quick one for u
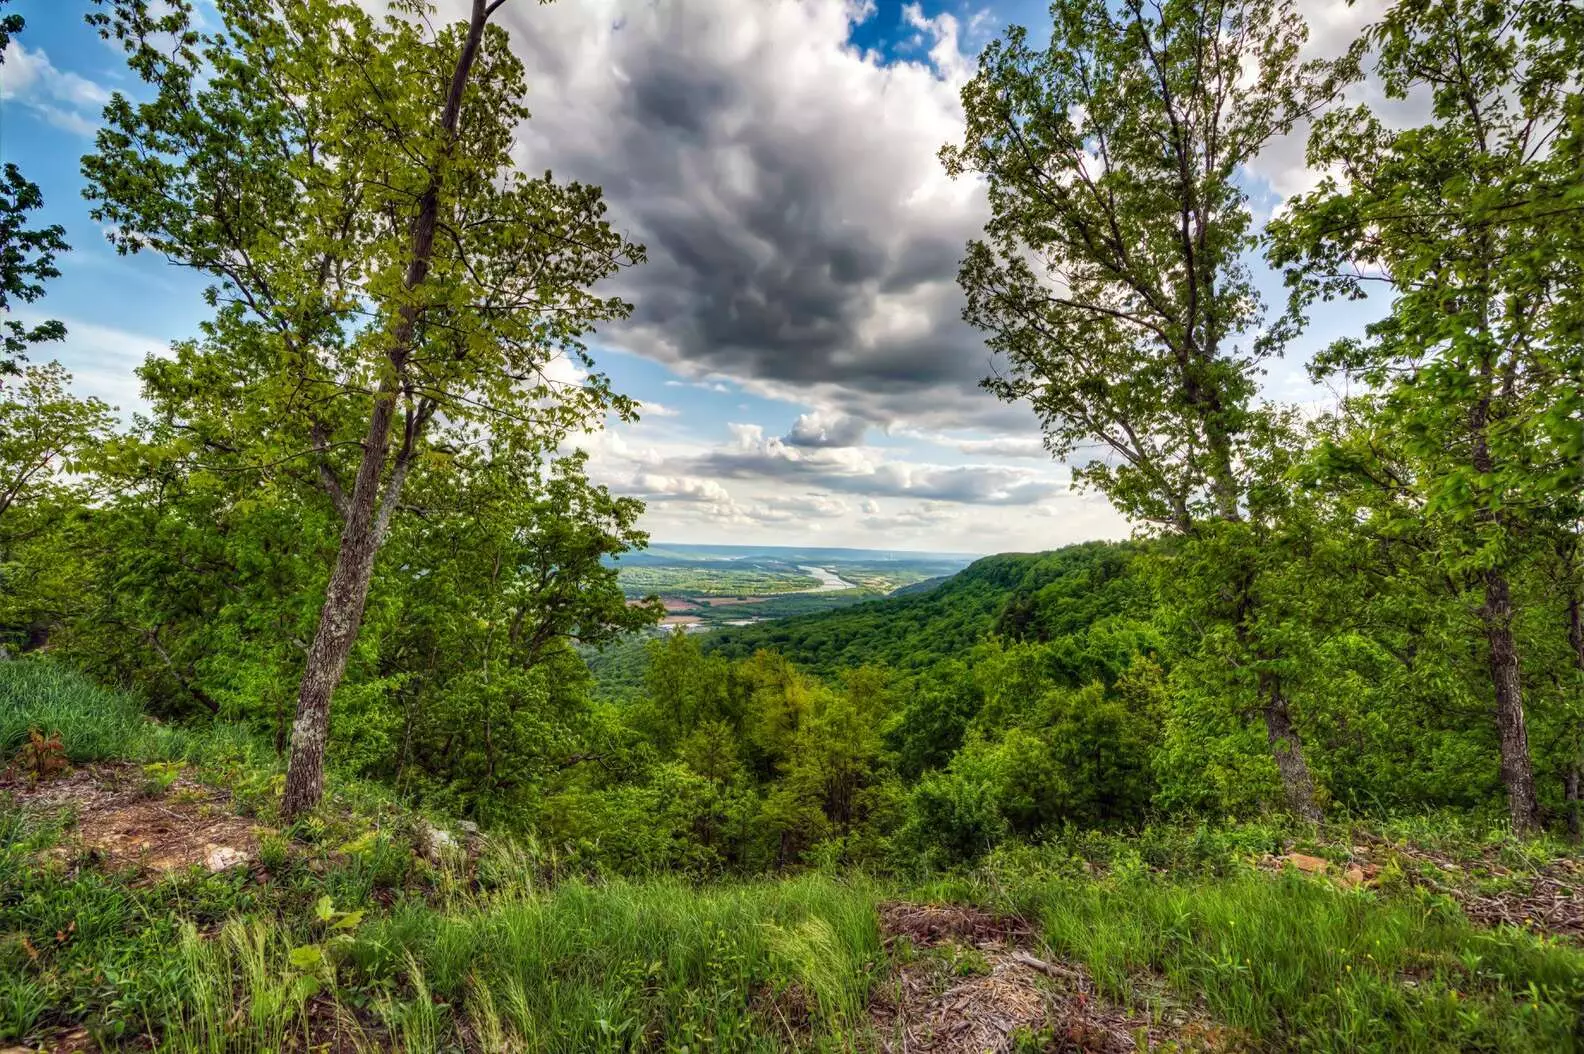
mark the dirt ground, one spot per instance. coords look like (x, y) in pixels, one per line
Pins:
(123, 818)
(973, 985)
(1545, 898)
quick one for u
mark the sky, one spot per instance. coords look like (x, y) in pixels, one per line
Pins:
(796, 345)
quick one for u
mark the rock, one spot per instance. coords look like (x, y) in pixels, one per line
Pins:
(472, 837)
(435, 843)
(1311, 865)
(223, 857)
(1353, 877)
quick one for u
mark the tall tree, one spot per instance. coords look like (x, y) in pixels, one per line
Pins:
(1112, 273)
(1472, 219)
(349, 184)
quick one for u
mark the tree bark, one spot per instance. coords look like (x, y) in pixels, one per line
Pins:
(1287, 748)
(339, 621)
(1570, 794)
(366, 515)
(1517, 775)
(1576, 630)
(1575, 771)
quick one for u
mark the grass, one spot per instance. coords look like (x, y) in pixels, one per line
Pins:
(94, 723)
(351, 935)
(209, 963)
(1300, 963)
(638, 964)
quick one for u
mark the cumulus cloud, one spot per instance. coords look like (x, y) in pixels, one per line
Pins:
(657, 487)
(826, 430)
(803, 239)
(1030, 446)
(851, 470)
(65, 99)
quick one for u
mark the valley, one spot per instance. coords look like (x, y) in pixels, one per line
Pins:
(706, 587)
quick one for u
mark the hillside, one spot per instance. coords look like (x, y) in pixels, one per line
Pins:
(1036, 596)
(151, 897)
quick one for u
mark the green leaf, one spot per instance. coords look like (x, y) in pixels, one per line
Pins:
(308, 957)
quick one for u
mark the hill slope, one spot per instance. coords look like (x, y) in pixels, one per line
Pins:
(1024, 595)
(364, 931)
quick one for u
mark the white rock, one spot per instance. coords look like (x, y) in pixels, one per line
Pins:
(223, 857)
(435, 842)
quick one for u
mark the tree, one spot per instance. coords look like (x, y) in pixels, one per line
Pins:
(1472, 219)
(349, 185)
(27, 254)
(43, 429)
(1112, 273)
(46, 433)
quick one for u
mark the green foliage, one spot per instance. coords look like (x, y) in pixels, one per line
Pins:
(910, 631)
(27, 254)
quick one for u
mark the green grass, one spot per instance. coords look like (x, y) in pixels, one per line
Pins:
(208, 963)
(1303, 964)
(354, 935)
(641, 964)
(94, 723)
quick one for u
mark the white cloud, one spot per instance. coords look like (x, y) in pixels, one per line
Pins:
(1029, 446)
(63, 98)
(101, 359)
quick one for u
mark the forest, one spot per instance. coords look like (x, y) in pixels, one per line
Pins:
(1298, 766)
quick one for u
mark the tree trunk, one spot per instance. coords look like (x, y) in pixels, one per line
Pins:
(1575, 771)
(1517, 775)
(367, 512)
(1576, 630)
(339, 620)
(1287, 749)
(1570, 794)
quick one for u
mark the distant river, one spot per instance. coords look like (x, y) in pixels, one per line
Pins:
(829, 581)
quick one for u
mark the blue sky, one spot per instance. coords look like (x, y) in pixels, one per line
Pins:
(796, 345)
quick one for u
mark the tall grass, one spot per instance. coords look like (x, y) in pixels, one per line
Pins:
(236, 992)
(1301, 964)
(100, 724)
(94, 723)
(635, 965)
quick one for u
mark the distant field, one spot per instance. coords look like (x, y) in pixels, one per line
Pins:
(712, 582)
(706, 587)
(696, 578)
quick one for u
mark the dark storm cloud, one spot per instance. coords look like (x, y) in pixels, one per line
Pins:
(802, 238)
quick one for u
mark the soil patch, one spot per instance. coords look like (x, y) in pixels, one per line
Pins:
(1546, 898)
(972, 985)
(928, 925)
(123, 820)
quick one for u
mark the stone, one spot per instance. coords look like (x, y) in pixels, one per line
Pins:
(435, 843)
(1353, 877)
(1311, 865)
(223, 858)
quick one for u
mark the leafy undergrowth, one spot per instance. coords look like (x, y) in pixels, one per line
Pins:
(119, 928)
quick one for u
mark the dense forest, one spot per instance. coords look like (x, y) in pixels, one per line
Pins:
(351, 553)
